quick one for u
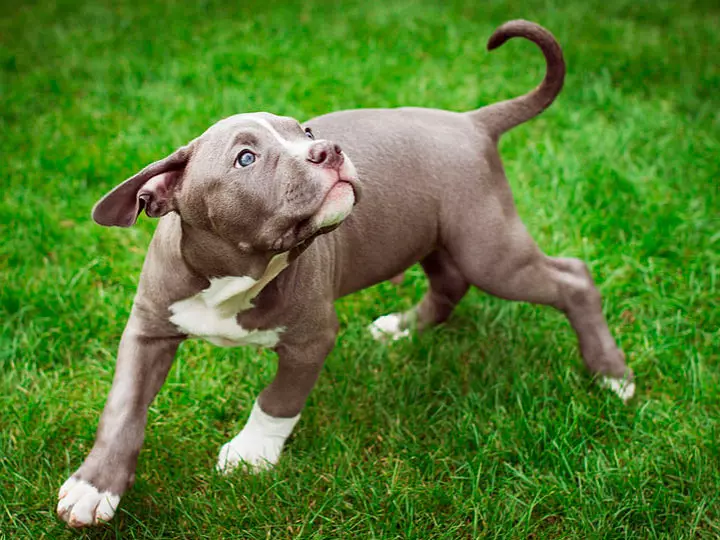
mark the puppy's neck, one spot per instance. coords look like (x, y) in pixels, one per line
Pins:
(211, 257)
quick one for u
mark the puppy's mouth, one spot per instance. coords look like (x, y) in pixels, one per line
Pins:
(336, 206)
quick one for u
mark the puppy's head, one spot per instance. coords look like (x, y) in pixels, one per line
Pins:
(258, 181)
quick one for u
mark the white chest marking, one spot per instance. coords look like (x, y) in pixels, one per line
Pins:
(212, 313)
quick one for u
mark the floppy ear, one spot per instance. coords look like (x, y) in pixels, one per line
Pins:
(151, 189)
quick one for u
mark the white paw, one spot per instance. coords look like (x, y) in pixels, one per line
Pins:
(80, 504)
(258, 446)
(255, 452)
(624, 388)
(388, 327)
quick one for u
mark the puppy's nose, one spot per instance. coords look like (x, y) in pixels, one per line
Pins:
(326, 154)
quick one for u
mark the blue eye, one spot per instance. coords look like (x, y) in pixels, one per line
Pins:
(309, 133)
(245, 159)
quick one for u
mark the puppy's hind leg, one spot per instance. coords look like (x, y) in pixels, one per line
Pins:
(511, 266)
(447, 287)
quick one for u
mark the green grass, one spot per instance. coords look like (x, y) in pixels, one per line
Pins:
(486, 427)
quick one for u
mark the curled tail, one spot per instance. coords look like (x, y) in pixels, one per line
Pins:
(500, 117)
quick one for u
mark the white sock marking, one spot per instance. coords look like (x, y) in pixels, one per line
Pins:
(624, 389)
(81, 504)
(388, 327)
(259, 443)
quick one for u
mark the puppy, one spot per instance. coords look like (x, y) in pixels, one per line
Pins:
(259, 234)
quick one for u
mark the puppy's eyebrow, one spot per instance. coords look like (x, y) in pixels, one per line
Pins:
(244, 137)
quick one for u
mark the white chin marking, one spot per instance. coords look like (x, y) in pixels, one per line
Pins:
(258, 446)
(80, 504)
(337, 206)
(623, 388)
(388, 327)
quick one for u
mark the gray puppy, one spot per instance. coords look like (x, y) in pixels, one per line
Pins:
(259, 236)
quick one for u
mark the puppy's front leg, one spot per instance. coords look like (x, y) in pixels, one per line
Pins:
(277, 409)
(93, 492)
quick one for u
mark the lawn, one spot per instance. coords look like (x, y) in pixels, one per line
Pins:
(485, 427)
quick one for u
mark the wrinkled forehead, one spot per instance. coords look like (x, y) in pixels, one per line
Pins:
(263, 127)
